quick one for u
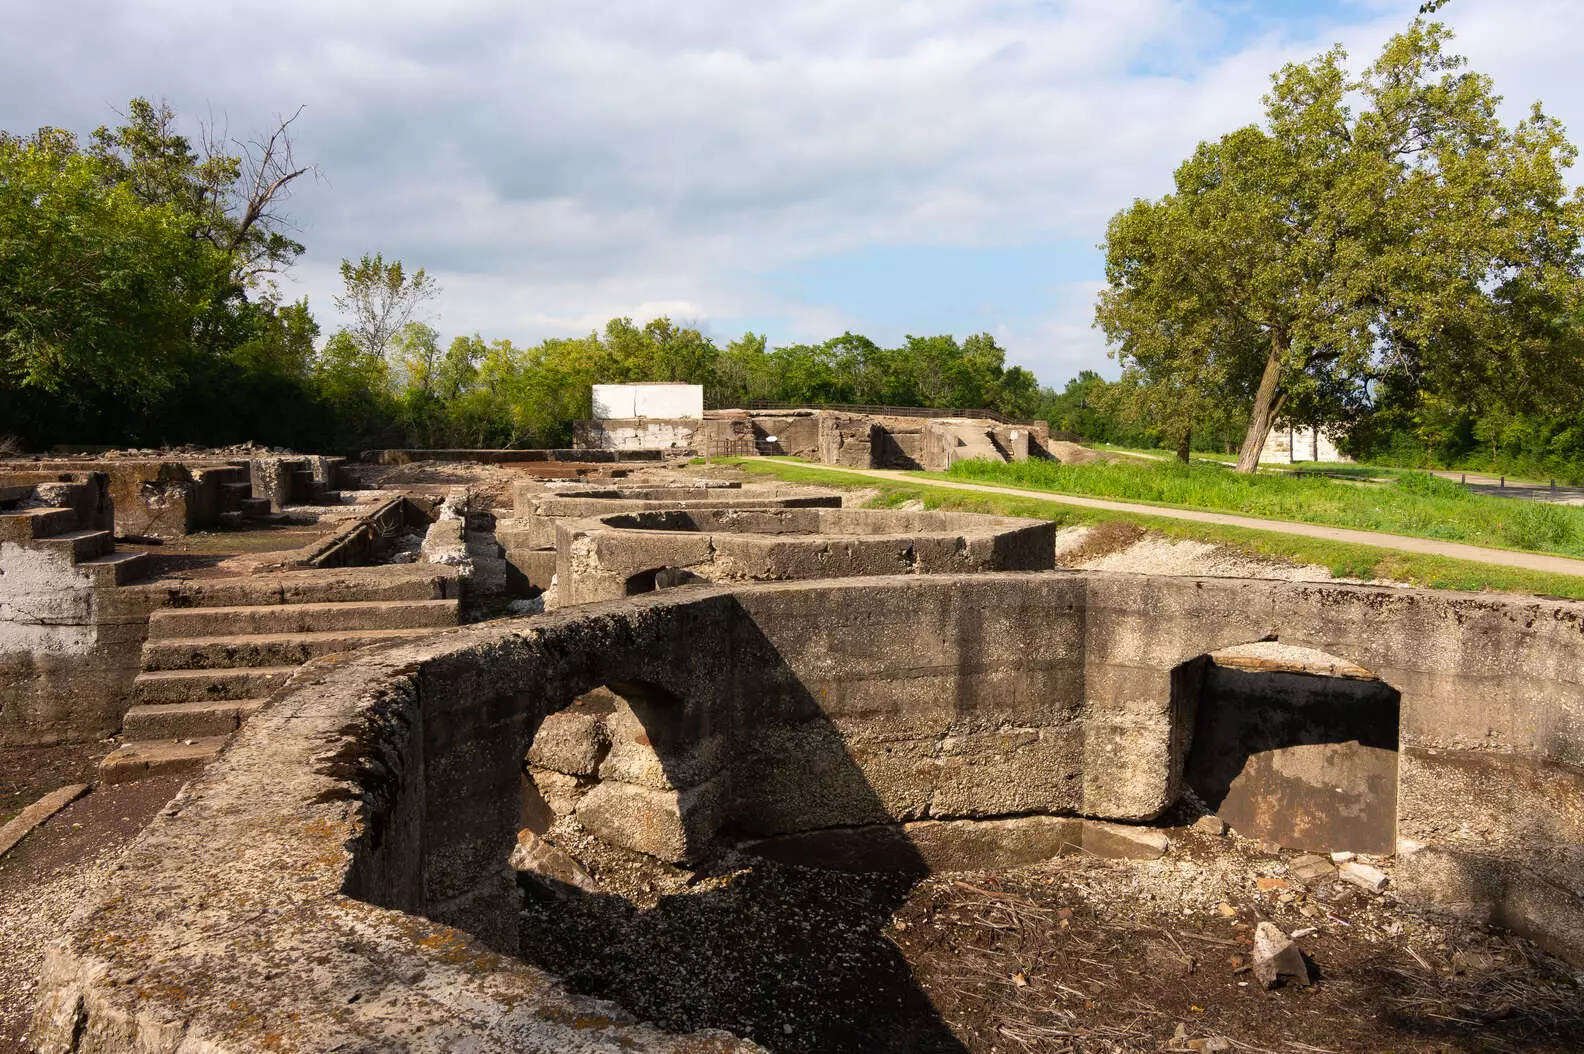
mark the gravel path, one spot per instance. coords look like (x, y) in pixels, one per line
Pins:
(1402, 543)
(54, 871)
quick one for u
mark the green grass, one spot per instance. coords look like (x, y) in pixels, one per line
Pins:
(1417, 504)
(1342, 559)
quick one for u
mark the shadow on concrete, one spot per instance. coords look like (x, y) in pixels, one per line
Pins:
(1304, 760)
(795, 958)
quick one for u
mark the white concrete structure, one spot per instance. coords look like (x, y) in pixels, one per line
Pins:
(1287, 444)
(625, 401)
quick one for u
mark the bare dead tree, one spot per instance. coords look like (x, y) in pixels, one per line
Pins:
(257, 178)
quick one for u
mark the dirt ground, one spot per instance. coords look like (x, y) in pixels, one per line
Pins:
(1072, 955)
(53, 871)
(29, 773)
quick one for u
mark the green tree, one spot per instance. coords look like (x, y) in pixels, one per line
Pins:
(1305, 260)
(232, 192)
(381, 299)
(101, 290)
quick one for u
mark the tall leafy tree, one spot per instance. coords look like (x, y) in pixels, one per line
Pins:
(381, 299)
(1299, 262)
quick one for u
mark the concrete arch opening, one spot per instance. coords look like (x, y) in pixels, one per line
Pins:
(1294, 746)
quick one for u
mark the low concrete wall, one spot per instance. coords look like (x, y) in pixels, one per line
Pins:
(395, 456)
(532, 532)
(151, 497)
(628, 553)
(281, 902)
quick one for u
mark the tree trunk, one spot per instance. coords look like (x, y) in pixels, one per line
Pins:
(1182, 446)
(1266, 406)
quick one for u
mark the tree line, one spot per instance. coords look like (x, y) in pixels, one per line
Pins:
(138, 307)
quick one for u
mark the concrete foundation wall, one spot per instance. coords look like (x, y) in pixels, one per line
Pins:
(69, 648)
(387, 787)
(150, 497)
(629, 553)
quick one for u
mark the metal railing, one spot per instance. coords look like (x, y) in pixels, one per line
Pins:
(741, 448)
(889, 411)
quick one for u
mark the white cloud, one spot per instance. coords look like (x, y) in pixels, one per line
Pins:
(556, 164)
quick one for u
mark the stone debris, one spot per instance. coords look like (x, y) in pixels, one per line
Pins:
(1370, 879)
(1310, 869)
(1342, 858)
(1276, 957)
(1181, 1041)
(1210, 823)
(549, 868)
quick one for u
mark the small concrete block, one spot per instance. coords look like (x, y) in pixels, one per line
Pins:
(1276, 956)
(1210, 824)
(559, 791)
(1370, 879)
(1310, 869)
(675, 826)
(570, 741)
(1118, 842)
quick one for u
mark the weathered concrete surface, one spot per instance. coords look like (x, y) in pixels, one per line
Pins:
(151, 497)
(71, 641)
(628, 553)
(69, 646)
(1304, 760)
(406, 456)
(538, 510)
(289, 877)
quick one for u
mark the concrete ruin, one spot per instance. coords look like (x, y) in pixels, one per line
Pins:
(636, 552)
(339, 878)
(529, 536)
(799, 681)
(169, 497)
(832, 437)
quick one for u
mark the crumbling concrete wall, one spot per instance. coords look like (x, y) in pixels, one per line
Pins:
(69, 638)
(149, 497)
(70, 646)
(630, 553)
(845, 440)
(796, 434)
(394, 778)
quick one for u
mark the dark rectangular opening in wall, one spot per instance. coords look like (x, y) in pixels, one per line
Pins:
(1303, 760)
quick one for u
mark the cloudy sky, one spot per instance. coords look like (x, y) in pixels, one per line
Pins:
(795, 168)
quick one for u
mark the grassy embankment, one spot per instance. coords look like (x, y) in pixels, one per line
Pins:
(1341, 559)
(1416, 504)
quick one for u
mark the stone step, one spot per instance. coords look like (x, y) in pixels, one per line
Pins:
(12, 494)
(28, 525)
(219, 717)
(141, 759)
(171, 623)
(343, 585)
(186, 686)
(254, 508)
(83, 545)
(116, 568)
(264, 649)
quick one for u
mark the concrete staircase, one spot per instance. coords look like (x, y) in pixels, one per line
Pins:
(977, 443)
(207, 668)
(58, 530)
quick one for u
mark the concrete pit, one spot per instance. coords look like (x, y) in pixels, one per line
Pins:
(341, 878)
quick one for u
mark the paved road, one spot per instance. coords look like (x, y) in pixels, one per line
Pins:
(1477, 553)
